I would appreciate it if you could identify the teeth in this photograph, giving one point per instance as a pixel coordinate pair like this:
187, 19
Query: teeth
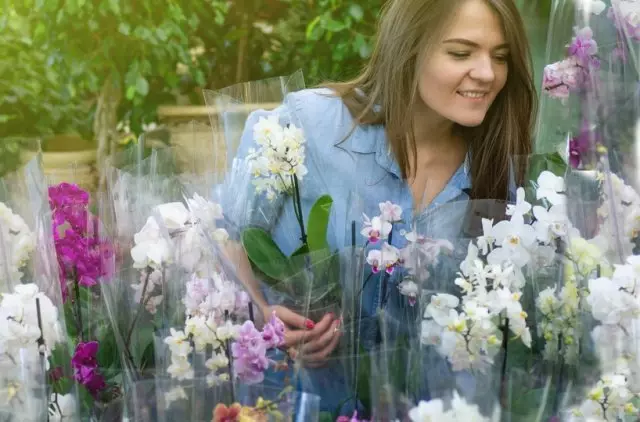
471, 94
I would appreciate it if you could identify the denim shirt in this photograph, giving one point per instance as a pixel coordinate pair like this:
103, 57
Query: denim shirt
356, 167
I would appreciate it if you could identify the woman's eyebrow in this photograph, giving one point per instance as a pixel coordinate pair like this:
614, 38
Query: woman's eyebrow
471, 43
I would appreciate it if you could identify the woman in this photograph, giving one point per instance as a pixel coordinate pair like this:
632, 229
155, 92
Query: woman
446, 99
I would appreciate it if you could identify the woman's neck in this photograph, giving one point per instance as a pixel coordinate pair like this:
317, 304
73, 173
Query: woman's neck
436, 140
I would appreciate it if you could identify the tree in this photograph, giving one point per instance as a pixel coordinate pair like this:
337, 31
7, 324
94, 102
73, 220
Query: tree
115, 50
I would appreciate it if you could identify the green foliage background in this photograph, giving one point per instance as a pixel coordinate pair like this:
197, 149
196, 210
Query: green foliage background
58, 55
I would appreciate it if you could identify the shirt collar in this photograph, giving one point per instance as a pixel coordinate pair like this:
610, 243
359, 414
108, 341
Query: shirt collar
368, 139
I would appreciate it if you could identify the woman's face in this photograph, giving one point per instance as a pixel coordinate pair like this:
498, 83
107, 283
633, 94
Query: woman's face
461, 77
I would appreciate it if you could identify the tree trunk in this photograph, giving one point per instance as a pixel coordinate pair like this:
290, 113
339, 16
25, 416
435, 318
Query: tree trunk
243, 47
105, 122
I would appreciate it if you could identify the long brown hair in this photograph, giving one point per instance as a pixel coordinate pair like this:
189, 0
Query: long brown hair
390, 81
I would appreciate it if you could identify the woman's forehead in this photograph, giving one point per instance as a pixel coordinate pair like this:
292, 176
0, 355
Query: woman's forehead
475, 22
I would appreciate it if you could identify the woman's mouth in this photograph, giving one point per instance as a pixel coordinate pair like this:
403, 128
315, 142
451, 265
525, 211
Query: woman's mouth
473, 95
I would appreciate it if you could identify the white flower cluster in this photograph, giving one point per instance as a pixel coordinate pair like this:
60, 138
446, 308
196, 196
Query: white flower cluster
615, 303
280, 156
16, 244
609, 400
469, 331
460, 411
619, 214
212, 304
182, 237
198, 335
560, 321
20, 353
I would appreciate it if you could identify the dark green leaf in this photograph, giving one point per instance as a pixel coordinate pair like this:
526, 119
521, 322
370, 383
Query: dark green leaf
108, 355
265, 254
318, 223
302, 250
326, 417
314, 30
333, 25
70, 320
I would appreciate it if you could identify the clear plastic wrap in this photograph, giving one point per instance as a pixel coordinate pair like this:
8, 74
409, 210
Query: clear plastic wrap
34, 337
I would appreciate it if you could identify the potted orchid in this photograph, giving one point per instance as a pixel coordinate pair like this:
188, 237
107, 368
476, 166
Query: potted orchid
32, 331
279, 167
217, 340
84, 260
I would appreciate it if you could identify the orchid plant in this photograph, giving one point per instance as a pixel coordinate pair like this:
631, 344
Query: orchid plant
278, 166
84, 261
383, 257
30, 331
214, 306
579, 71
470, 329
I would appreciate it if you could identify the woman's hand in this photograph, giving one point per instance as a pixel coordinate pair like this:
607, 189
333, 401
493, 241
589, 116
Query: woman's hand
311, 342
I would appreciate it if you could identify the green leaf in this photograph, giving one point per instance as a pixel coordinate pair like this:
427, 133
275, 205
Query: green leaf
143, 338
265, 254
302, 250
314, 30
114, 5
108, 356
142, 86
556, 164
356, 12
333, 25
131, 92
326, 417
70, 320
318, 224
124, 28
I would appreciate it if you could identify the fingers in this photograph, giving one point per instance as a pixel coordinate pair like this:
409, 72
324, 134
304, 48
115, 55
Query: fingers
291, 319
296, 337
322, 340
318, 358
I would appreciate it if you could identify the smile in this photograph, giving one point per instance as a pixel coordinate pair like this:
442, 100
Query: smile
475, 95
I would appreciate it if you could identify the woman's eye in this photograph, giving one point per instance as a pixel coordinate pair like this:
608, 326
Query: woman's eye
459, 54
501, 58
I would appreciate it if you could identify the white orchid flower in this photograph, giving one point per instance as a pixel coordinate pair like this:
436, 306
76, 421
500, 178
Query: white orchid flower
551, 188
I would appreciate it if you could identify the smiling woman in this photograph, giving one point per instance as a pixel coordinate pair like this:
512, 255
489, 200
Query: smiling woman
435, 117
431, 57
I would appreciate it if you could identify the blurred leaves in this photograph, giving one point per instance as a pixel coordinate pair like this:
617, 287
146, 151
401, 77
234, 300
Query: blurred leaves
35, 100
165, 51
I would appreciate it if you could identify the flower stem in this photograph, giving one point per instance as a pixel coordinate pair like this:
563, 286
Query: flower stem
76, 290
141, 305
503, 369
298, 206
385, 278
560, 379
227, 346
39, 315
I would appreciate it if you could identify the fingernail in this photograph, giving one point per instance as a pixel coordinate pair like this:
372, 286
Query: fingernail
309, 324
331, 315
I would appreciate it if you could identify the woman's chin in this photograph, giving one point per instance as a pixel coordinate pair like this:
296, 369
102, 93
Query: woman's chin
470, 120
